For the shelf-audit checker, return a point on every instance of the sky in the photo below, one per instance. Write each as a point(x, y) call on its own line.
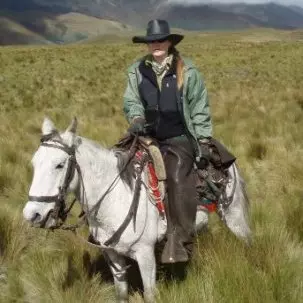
point(285, 2)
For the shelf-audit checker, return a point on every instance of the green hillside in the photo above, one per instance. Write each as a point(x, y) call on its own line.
point(255, 88)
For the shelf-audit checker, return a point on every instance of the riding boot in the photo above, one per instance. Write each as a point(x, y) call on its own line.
point(174, 251)
point(181, 202)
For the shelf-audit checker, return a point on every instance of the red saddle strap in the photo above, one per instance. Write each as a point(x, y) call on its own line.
point(153, 185)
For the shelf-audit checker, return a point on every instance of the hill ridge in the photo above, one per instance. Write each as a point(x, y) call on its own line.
point(135, 13)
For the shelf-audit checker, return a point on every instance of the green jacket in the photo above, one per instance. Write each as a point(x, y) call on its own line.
point(195, 102)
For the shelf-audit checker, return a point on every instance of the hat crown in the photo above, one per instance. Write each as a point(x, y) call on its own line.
point(157, 27)
point(158, 30)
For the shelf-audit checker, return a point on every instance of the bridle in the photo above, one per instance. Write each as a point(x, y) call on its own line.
point(61, 210)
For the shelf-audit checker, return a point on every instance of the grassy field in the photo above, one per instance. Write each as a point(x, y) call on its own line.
point(256, 94)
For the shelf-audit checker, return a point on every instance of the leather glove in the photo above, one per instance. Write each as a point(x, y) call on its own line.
point(137, 126)
point(205, 151)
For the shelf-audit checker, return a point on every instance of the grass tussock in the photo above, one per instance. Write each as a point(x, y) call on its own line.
point(256, 95)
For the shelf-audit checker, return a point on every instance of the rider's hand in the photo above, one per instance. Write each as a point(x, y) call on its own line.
point(205, 151)
point(137, 126)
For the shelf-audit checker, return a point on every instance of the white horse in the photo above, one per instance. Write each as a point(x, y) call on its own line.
point(68, 163)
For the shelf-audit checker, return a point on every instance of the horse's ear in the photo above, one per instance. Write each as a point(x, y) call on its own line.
point(73, 126)
point(48, 127)
point(70, 133)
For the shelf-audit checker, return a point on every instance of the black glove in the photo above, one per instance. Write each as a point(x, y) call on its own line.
point(137, 127)
point(205, 151)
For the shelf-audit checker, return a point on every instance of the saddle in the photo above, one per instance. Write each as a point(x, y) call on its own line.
point(155, 168)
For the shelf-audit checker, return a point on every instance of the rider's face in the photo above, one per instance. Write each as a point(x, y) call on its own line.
point(159, 49)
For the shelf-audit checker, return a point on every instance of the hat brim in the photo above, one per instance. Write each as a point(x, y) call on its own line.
point(174, 38)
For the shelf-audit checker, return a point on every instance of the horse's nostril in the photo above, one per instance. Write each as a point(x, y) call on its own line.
point(36, 218)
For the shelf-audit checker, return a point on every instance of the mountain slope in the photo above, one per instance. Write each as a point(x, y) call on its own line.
point(12, 32)
point(137, 12)
point(62, 21)
point(43, 27)
point(133, 12)
point(271, 14)
point(197, 17)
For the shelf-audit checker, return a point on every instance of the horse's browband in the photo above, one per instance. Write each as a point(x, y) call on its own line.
point(63, 147)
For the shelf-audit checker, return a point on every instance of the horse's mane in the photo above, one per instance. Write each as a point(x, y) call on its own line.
point(123, 164)
point(126, 167)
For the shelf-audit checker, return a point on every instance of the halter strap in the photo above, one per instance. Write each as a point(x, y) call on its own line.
point(46, 199)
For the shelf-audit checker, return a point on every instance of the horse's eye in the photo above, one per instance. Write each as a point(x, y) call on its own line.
point(60, 166)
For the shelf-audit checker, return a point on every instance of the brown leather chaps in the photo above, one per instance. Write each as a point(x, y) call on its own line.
point(181, 203)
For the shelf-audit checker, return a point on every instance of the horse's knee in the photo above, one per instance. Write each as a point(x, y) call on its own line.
point(118, 268)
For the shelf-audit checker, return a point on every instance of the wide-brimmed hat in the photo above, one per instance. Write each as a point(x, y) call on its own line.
point(158, 30)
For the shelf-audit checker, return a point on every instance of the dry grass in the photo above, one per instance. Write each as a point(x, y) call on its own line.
point(257, 106)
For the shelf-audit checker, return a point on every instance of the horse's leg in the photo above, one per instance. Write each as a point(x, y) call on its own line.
point(118, 268)
point(147, 266)
point(201, 219)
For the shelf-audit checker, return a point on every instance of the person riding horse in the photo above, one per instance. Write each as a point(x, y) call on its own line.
point(166, 99)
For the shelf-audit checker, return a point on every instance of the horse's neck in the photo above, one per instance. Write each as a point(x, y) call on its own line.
point(98, 169)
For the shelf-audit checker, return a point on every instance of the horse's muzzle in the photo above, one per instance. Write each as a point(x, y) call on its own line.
point(37, 217)
point(47, 222)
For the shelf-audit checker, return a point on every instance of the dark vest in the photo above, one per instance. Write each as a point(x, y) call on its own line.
point(163, 117)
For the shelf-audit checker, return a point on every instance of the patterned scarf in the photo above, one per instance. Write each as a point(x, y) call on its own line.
point(159, 68)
